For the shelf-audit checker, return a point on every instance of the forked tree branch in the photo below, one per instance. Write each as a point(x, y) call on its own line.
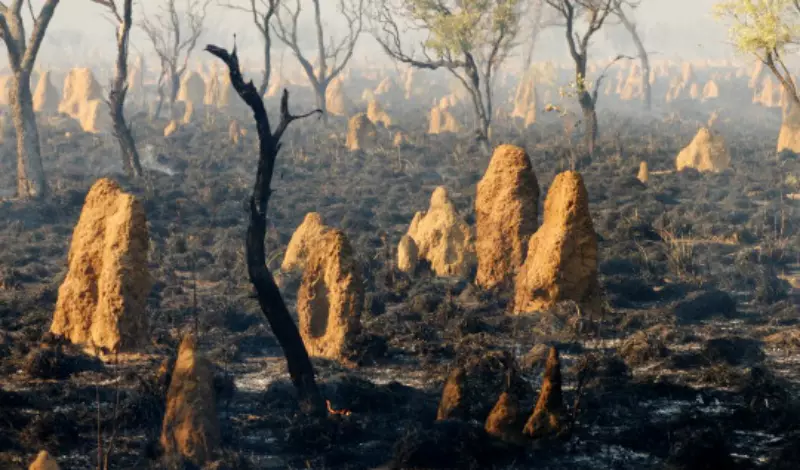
point(269, 295)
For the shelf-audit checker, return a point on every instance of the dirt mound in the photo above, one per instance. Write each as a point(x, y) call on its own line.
point(442, 121)
point(526, 100)
point(192, 89)
point(377, 115)
point(45, 97)
point(789, 137)
point(475, 383)
point(644, 173)
point(506, 210)
point(407, 255)
point(386, 86)
point(336, 102)
point(361, 133)
point(702, 305)
point(562, 255)
point(304, 239)
point(548, 418)
point(710, 90)
point(171, 128)
point(506, 420)
point(330, 298)
point(44, 462)
point(103, 297)
point(706, 152)
point(94, 117)
point(191, 426)
point(80, 87)
point(235, 132)
point(443, 238)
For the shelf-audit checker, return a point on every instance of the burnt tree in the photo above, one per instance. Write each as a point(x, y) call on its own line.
point(22, 54)
point(119, 87)
point(269, 295)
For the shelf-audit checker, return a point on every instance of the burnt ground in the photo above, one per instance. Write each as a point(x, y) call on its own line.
point(694, 364)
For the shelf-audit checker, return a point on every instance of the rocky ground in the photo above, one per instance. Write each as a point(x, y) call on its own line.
point(694, 364)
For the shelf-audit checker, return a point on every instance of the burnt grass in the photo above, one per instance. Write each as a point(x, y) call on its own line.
point(681, 369)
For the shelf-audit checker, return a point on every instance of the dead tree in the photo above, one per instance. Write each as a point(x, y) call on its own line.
point(22, 54)
point(174, 41)
point(262, 12)
point(269, 296)
point(630, 26)
point(595, 13)
point(332, 56)
point(119, 87)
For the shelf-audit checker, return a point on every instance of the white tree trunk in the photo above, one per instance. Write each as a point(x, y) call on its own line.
point(30, 173)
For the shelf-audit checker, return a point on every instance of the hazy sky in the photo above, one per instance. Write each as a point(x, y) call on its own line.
point(671, 29)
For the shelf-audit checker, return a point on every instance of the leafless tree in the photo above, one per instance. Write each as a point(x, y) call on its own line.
point(594, 13)
point(332, 55)
point(630, 26)
point(269, 296)
point(119, 85)
point(22, 54)
point(174, 41)
point(262, 12)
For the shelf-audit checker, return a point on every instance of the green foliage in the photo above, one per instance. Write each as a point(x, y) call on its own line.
point(466, 26)
point(761, 27)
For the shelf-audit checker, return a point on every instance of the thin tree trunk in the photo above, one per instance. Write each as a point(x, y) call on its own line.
point(262, 90)
point(643, 58)
point(590, 121)
point(321, 91)
point(30, 173)
point(270, 300)
point(116, 98)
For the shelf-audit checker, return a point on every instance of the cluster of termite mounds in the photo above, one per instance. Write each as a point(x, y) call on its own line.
point(101, 306)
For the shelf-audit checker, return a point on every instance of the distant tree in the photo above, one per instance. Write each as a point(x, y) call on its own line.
point(262, 12)
point(626, 19)
point(22, 54)
point(332, 55)
point(173, 35)
point(766, 29)
point(594, 13)
point(119, 85)
point(468, 38)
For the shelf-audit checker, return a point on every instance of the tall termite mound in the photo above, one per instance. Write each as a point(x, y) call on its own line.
point(336, 102)
point(103, 297)
point(330, 298)
point(361, 133)
point(706, 152)
point(562, 255)
point(789, 137)
point(549, 417)
point(82, 99)
point(80, 87)
point(303, 241)
point(506, 210)
point(44, 461)
point(442, 237)
point(45, 97)
point(191, 427)
point(192, 92)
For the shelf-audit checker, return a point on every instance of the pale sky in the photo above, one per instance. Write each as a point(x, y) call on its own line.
point(671, 29)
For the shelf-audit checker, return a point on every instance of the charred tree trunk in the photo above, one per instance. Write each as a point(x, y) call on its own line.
point(174, 88)
point(116, 97)
point(30, 173)
point(643, 58)
point(590, 121)
point(269, 295)
point(262, 89)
